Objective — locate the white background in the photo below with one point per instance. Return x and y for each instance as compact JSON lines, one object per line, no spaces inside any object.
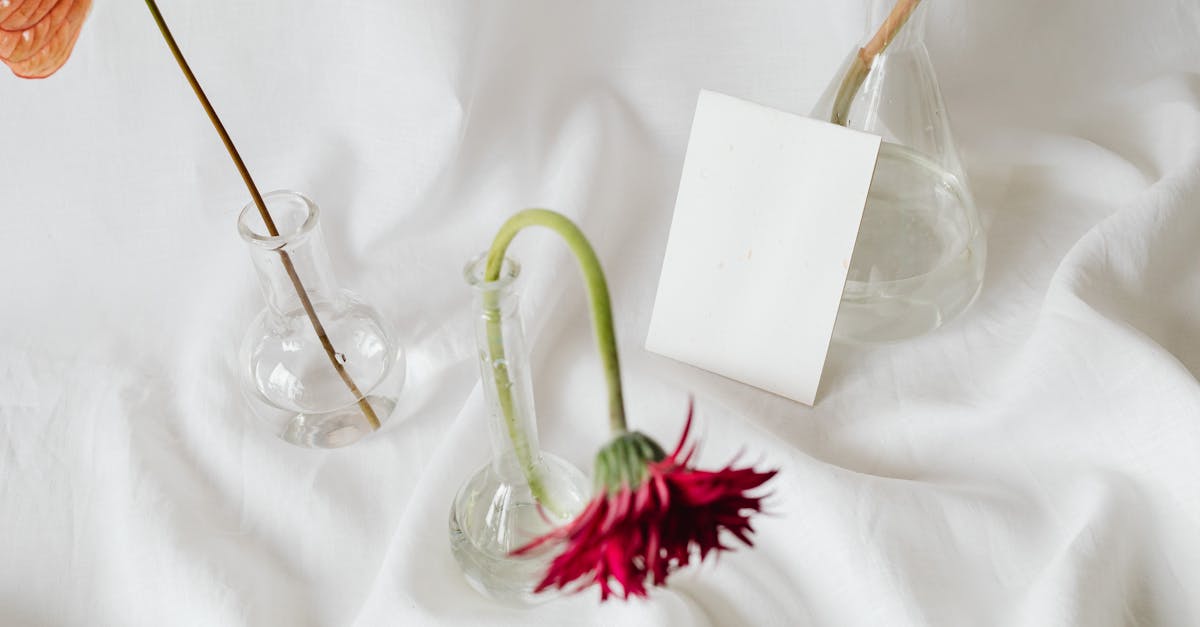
{"x":1036,"y":462}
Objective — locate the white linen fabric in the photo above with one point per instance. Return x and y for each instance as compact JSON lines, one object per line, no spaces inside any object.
{"x":1035,"y":462}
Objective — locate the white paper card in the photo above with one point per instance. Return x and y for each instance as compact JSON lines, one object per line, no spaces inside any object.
{"x":765,"y":221}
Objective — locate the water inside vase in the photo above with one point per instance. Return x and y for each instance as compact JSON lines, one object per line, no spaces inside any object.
{"x":335,"y":429}
{"x":294,"y":387}
{"x":492,"y":516}
{"x":919,"y":257}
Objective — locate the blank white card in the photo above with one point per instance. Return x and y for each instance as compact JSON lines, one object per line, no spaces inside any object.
{"x":765,"y":222}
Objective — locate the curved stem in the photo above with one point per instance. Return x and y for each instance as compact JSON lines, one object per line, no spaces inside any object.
{"x":861,"y":65}
{"x":597,"y":288}
{"x":288,"y":266}
{"x":602,"y":323}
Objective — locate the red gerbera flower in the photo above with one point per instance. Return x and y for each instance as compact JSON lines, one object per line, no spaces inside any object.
{"x":653,"y":514}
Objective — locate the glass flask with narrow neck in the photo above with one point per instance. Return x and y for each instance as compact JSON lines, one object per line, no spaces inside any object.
{"x":522,"y":492}
{"x":309,"y":385}
{"x":920,"y":254}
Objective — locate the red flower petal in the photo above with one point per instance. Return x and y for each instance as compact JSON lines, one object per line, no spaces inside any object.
{"x":638,"y":535}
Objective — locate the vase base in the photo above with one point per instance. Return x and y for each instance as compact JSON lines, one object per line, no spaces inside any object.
{"x":920,"y":254}
{"x":507,"y":580}
{"x":491,"y":517}
{"x":335,"y":429}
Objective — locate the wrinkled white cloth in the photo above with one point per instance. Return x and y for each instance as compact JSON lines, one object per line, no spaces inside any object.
{"x":1035,"y":462}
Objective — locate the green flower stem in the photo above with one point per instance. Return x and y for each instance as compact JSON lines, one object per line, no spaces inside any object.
{"x":856,"y":74}
{"x":499,"y":362}
{"x":602,"y":323}
{"x":363,"y":405}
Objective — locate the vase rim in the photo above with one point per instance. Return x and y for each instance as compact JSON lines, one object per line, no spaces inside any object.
{"x":473,"y":273}
{"x":272,"y":242}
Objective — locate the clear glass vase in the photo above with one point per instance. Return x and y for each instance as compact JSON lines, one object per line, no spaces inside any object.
{"x":314,"y":389}
{"x":522,"y":492}
{"x":921,"y":248}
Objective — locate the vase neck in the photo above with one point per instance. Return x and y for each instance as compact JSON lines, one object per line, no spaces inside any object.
{"x":298,"y":248}
{"x":508,"y":389}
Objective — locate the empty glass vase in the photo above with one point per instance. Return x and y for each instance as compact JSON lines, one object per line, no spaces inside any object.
{"x":522,"y":492}
{"x":320,"y":367}
{"x":919,"y":258}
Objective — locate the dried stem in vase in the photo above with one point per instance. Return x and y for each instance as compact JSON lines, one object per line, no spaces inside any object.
{"x":288,"y":266}
{"x":861,"y":65}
